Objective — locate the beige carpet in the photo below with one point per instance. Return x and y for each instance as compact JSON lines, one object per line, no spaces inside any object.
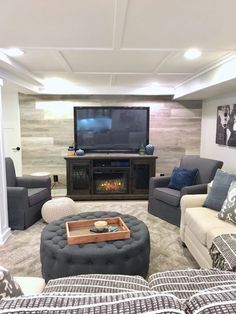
{"x":20,"y":254}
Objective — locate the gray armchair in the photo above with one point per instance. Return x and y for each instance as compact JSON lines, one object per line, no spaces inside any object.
{"x":164,"y":202}
{"x":25,"y":197}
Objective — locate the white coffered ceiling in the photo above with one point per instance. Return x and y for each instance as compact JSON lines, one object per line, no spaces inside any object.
{"x":117,"y":46}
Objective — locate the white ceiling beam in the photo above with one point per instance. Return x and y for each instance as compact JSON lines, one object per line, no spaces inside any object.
{"x":6,"y":75}
{"x":19,"y":70}
{"x":218,"y":74}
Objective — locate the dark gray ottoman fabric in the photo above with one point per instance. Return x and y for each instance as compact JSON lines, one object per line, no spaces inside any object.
{"x":128,"y":257}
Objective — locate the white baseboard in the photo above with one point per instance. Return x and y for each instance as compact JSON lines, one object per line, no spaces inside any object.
{"x":5,"y":235}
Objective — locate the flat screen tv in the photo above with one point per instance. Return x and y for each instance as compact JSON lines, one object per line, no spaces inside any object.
{"x":111,"y":129}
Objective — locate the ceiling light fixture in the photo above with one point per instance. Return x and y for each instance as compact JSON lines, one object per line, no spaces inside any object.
{"x":13,"y":52}
{"x":192,"y":53}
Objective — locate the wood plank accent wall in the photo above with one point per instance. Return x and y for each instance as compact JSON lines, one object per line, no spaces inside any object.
{"x":47,"y":129}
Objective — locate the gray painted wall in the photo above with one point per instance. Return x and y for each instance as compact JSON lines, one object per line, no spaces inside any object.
{"x":47,"y":129}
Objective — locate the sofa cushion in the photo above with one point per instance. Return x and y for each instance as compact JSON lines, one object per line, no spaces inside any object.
{"x":221,"y":299}
{"x":181,"y":177}
{"x":201,"y":220}
{"x":8,"y":286}
{"x":219,"y":190}
{"x":36,"y":195}
{"x":97,"y":283}
{"x":185,"y":283}
{"x":119,"y":303}
{"x":228,"y":210}
{"x":167,"y":195}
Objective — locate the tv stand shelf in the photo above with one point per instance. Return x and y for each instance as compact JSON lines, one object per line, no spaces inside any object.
{"x":109,"y":176}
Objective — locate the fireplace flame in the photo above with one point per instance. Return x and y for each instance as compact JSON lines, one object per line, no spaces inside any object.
{"x":112,"y":185}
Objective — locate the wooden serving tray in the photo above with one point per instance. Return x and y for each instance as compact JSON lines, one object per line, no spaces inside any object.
{"x":79,"y":231}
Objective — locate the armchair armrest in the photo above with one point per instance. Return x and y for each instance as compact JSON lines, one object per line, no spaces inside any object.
{"x":194,"y":189}
{"x":155,"y":182}
{"x":34,"y":182}
{"x":17,"y":199}
{"x":158,"y":182}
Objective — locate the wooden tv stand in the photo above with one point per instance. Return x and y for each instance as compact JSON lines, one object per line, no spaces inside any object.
{"x":109,"y":176}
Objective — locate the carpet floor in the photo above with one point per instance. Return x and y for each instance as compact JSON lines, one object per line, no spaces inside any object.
{"x":20,"y":253}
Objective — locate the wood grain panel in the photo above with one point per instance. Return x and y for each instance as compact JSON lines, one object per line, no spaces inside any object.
{"x":175,"y":129}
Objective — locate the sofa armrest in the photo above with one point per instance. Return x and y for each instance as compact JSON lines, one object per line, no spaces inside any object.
{"x":194,"y":189}
{"x":192,"y":200}
{"x":189,"y":201}
{"x":34,"y":182}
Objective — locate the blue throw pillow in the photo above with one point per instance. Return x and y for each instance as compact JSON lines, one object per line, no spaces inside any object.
{"x":181,"y":177}
{"x":219,"y":190}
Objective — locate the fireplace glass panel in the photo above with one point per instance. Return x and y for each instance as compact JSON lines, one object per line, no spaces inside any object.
{"x":80,"y":177}
{"x":111,"y":183}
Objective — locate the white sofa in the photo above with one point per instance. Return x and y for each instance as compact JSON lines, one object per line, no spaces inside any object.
{"x":199,"y":226}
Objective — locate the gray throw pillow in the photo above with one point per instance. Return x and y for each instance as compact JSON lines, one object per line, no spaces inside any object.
{"x":228,"y":210}
{"x":8,"y":287}
{"x":219,"y":190}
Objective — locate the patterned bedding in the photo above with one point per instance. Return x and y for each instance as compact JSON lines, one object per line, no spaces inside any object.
{"x":223,"y":252}
{"x":174,"y":292}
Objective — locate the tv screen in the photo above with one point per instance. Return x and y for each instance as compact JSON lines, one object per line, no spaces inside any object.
{"x":111,"y":129}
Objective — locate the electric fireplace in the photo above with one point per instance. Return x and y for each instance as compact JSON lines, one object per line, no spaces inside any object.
{"x":111,"y":181}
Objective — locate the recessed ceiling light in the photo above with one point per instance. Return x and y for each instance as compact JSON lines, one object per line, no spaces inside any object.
{"x":192,"y":53}
{"x":13,"y":52}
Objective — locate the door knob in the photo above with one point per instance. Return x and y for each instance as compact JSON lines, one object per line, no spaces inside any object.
{"x":16,"y":148}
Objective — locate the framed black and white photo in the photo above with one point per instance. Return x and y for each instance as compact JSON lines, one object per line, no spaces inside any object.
{"x":226,"y":125}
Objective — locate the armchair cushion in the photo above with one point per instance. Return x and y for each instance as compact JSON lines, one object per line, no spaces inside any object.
{"x":219,"y":190}
{"x":167,"y":195}
{"x":181,"y":177}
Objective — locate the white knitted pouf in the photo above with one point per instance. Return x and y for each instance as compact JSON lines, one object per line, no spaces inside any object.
{"x":57,"y":208}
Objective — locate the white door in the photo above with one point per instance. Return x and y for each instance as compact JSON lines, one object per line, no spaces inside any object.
{"x":12,"y":147}
{"x":11,"y":129}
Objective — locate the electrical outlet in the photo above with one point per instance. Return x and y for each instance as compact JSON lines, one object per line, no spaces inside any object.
{"x":55,"y":178}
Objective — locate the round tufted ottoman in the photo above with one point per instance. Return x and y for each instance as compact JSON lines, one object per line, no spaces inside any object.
{"x":57,"y":208}
{"x":129,"y":256}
